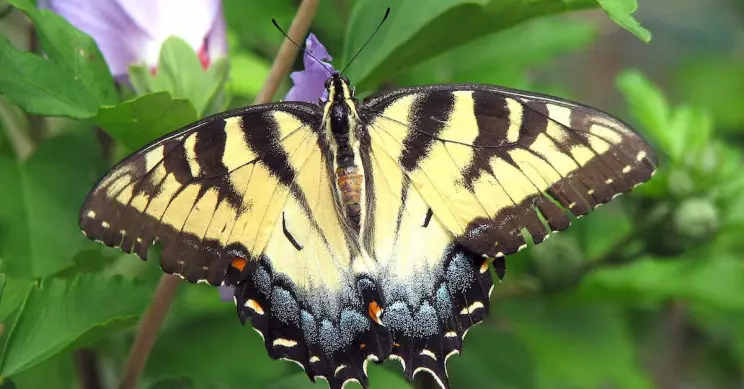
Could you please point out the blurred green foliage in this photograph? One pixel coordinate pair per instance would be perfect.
(647, 292)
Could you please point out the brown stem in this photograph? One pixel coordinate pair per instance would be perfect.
(148, 330)
(153, 317)
(86, 361)
(36, 123)
(288, 51)
(671, 363)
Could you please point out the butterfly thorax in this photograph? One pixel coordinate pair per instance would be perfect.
(340, 125)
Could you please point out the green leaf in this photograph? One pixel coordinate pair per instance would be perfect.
(92, 258)
(600, 232)
(715, 84)
(140, 121)
(621, 11)
(14, 292)
(680, 132)
(576, 345)
(73, 80)
(648, 105)
(56, 373)
(59, 314)
(413, 34)
(214, 350)
(715, 281)
(503, 57)
(180, 72)
(493, 355)
(39, 232)
(247, 73)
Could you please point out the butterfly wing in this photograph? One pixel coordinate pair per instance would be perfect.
(245, 199)
(467, 169)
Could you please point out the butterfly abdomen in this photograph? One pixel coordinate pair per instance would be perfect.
(349, 180)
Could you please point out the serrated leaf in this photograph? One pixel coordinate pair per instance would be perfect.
(73, 80)
(621, 11)
(59, 314)
(39, 232)
(192, 350)
(148, 117)
(413, 34)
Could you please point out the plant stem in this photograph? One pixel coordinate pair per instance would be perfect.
(163, 296)
(87, 368)
(15, 127)
(288, 51)
(148, 330)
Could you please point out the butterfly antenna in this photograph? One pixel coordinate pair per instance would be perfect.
(302, 48)
(387, 12)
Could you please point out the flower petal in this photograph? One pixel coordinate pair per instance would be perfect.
(226, 293)
(132, 31)
(216, 41)
(309, 84)
(190, 20)
(107, 23)
(314, 47)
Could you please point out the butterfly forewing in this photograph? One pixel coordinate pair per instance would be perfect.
(495, 159)
(219, 183)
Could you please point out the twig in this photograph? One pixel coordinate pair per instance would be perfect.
(36, 123)
(670, 364)
(288, 51)
(163, 296)
(148, 330)
(15, 125)
(86, 361)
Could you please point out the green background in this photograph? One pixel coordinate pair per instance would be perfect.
(647, 292)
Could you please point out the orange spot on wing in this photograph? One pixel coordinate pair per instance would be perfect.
(362, 346)
(375, 311)
(254, 305)
(238, 263)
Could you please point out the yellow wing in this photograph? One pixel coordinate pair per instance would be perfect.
(459, 171)
(245, 199)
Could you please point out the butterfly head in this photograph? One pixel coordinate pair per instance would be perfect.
(338, 87)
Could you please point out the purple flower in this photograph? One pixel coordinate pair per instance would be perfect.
(132, 31)
(226, 293)
(309, 84)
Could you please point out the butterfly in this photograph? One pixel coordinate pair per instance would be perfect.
(364, 230)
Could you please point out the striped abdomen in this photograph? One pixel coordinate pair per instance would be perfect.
(349, 182)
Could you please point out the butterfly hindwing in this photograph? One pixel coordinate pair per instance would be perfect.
(491, 161)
